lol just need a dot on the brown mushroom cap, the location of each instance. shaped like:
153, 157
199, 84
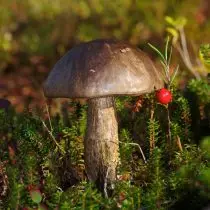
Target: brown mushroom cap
102, 68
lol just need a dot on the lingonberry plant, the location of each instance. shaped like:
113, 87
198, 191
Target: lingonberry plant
164, 95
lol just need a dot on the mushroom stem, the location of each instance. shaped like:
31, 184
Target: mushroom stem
101, 141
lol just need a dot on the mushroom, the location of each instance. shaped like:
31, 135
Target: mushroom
99, 70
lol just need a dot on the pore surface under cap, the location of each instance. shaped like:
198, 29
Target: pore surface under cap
102, 68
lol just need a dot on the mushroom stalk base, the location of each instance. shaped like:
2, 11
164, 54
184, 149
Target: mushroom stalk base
101, 142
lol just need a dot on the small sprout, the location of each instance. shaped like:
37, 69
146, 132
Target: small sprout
165, 61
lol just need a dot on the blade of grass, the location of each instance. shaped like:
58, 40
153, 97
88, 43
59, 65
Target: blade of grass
174, 75
165, 67
170, 55
140, 149
166, 48
48, 114
158, 52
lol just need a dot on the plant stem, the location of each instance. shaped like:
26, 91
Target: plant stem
53, 138
169, 129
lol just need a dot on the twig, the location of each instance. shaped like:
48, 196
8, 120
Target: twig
53, 138
183, 51
48, 115
179, 144
135, 144
186, 61
184, 45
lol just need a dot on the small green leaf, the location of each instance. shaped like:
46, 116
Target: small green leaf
178, 23
173, 32
36, 196
170, 20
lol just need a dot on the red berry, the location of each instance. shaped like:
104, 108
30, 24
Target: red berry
164, 96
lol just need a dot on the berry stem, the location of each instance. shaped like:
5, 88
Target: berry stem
169, 130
